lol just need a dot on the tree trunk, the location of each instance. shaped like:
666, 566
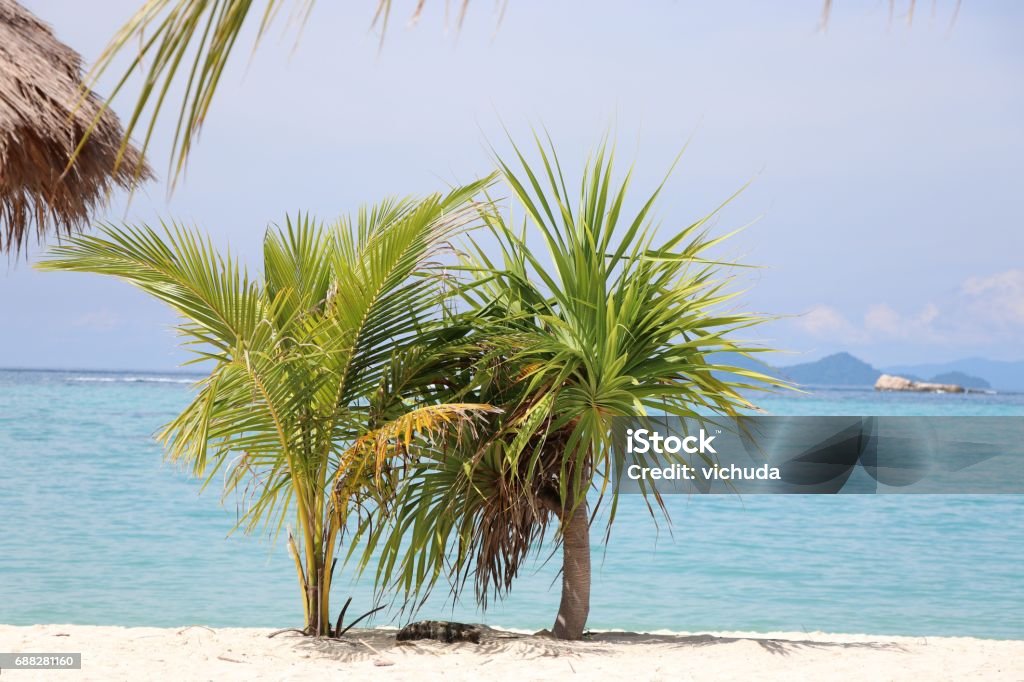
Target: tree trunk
575, 606
318, 618
319, 622
315, 581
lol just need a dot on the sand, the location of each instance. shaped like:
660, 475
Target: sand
201, 653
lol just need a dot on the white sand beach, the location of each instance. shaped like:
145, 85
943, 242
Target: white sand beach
201, 653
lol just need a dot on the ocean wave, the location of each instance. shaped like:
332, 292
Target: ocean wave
134, 380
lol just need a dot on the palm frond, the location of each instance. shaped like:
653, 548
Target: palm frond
189, 43
611, 321
318, 369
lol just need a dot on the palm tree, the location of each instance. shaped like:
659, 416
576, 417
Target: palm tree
316, 367
614, 323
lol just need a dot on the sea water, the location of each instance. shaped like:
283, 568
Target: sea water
96, 529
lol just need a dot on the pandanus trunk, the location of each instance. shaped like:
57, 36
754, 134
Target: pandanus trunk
575, 605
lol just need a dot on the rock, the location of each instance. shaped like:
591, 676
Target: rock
441, 630
888, 382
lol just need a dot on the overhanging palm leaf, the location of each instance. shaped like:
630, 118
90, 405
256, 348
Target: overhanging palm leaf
303, 361
198, 37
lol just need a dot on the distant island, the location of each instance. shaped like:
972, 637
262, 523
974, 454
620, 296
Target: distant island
840, 369
961, 379
845, 369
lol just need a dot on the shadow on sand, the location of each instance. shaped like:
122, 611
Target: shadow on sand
372, 644
782, 647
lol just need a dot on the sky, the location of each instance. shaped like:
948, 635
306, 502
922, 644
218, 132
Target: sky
885, 162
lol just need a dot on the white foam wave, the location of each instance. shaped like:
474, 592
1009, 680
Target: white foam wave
133, 380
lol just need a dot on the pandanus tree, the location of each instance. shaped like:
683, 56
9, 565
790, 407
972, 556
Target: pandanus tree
317, 366
611, 322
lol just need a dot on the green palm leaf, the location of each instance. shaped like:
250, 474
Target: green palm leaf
324, 351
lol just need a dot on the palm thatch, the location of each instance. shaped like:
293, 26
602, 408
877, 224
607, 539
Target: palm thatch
43, 116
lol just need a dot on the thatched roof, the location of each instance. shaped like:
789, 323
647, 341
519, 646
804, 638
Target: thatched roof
42, 119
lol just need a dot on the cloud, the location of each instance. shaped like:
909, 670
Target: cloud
826, 322
999, 298
882, 320
983, 311
97, 320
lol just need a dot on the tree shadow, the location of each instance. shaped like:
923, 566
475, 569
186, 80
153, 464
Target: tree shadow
372, 644
782, 647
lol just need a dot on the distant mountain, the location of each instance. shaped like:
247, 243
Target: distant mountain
841, 369
844, 369
1002, 375
960, 379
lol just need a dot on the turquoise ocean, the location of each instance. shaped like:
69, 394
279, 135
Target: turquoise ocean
96, 529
